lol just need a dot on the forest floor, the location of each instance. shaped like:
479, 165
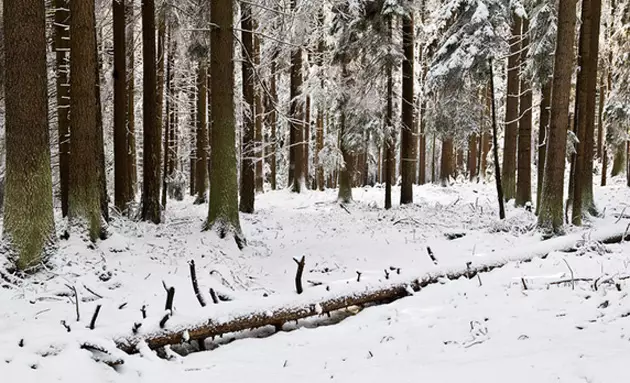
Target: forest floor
496, 331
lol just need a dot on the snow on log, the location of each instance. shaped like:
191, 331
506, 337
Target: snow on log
232, 317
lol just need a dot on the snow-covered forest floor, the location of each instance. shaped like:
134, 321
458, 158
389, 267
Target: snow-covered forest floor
509, 324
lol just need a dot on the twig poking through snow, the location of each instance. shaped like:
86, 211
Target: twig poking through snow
76, 300
572, 276
621, 215
144, 311
430, 252
358, 276
213, 295
625, 232
298, 274
479, 278
193, 278
92, 292
169, 298
64, 324
386, 274
93, 321
524, 284
345, 208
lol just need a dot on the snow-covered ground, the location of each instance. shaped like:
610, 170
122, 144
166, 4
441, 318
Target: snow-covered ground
457, 331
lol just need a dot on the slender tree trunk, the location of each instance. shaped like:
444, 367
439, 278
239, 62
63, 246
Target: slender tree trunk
121, 147
307, 138
390, 145
168, 127
550, 216
585, 109
543, 128
29, 227
433, 160
223, 207
132, 165
273, 120
408, 138
152, 133
100, 144
296, 165
495, 147
446, 163
472, 157
600, 118
511, 111
193, 140
524, 180
201, 159
84, 195
170, 149
347, 169
319, 146
460, 162
258, 134
248, 150
485, 138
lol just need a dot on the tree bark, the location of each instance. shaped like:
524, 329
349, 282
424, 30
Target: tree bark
223, 207
258, 134
511, 111
390, 146
472, 157
201, 159
296, 160
307, 138
248, 148
84, 194
446, 163
543, 128
495, 147
524, 180
121, 147
408, 134
193, 140
100, 144
132, 165
29, 227
273, 120
62, 54
550, 216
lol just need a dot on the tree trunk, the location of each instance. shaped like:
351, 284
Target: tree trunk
273, 120
600, 117
408, 137
223, 207
152, 133
29, 227
168, 127
307, 138
585, 108
201, 159
433, 160
422, 147
390, 145
550, 216
511, 111
472, 157
121, 147
524, 180
62, 53
193, 141
543, 128
248, 149
258, 134
84, 194
347, 169
132, 165
495, 146
100, 144
446, 163
296, 165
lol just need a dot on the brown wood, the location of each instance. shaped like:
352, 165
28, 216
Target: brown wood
408, 144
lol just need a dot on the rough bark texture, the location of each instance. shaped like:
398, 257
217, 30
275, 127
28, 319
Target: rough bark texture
61, 32
273, 118
248, 145
170, 115
84, 195
543, 128
390, 147
258, 134
152, 133
446, 163
347, 168
100, 144
408, 134
223, 207
550, 216
600, 117
29, 226
121, 189
193, 141
201, 158
511, 112
472, 157
132, 165
524, 176
296, 159
586, 89
307, 138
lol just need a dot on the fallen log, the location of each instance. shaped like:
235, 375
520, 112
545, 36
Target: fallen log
224, 319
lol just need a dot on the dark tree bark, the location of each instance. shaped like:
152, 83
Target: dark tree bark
543, 128
446, 163
585, 108
84, 193
296, 159
29, 226
273, 121
201, 159
550, 216
152, 133
193, 141
390, 147
258, 134
61, 32
495, 147
472, 157
248, 149
524, 180
223, 207
170, 115
307, 138
100, 144
121, 147
511, 111
408, 137
132, 165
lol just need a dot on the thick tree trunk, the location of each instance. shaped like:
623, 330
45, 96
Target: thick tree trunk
29, 227
511, 111
152, 133
585, 109
550, 216
62, 54
446, 163
167, 120
543, 128
408, 134
201, 159
248, 149
132, 165
84, 194
472, 157
347, 169
524, 180
121, 147
223, 207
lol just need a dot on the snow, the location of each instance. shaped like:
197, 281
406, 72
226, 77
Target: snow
487, 329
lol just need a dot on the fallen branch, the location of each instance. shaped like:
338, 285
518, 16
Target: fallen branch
193, 278
213, 295
345, 208
317, 302
76, 301
430, 252
298, 274
94, 316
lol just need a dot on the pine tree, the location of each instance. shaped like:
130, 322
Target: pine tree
296, 137
408, 134
248, 170
121, 188
132, 165
201, 159
29, 226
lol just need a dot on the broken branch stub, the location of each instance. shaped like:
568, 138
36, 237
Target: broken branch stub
298, 274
